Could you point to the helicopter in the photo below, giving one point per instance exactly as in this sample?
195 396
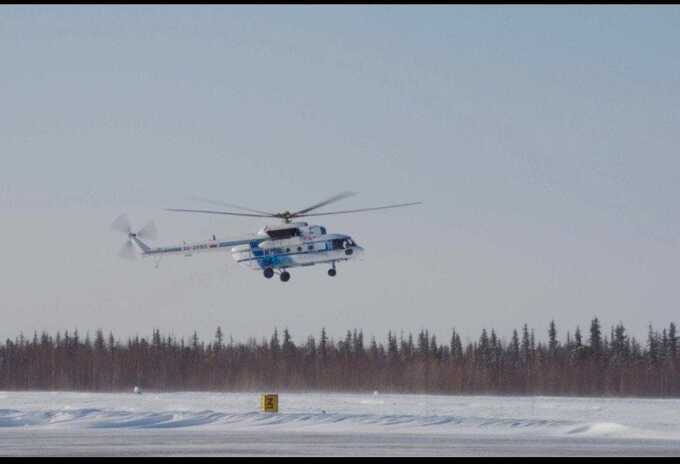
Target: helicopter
274 249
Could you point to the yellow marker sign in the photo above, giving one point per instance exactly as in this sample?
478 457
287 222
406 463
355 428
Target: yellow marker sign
269 402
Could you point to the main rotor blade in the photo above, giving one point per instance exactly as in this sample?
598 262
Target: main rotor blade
216 212
328 201
122 224
229 205
361 210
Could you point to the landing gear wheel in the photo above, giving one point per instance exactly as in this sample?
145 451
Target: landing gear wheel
349 251
269 273
331 272
285 276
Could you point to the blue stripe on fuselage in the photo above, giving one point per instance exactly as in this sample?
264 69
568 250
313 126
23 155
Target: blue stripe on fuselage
273 261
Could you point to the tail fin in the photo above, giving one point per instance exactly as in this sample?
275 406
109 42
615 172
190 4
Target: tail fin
143 246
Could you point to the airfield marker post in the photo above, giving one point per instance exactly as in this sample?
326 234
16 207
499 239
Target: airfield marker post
269 402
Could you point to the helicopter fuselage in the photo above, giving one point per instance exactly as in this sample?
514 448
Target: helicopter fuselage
294 245
273 248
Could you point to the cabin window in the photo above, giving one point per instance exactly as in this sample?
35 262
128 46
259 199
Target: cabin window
283 233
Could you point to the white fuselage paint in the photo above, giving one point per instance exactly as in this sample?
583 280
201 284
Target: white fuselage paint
283 255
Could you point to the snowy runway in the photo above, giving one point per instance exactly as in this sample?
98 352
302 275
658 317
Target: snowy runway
70 423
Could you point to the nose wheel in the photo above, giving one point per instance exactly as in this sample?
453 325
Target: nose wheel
331 271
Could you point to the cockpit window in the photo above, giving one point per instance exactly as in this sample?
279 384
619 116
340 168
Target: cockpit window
340 243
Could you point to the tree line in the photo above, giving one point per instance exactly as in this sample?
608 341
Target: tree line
594 363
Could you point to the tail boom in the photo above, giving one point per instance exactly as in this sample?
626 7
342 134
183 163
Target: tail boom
190 248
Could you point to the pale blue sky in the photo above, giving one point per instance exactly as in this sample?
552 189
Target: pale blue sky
543 141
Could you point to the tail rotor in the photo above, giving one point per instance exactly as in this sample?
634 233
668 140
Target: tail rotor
122 224
127 251
148 232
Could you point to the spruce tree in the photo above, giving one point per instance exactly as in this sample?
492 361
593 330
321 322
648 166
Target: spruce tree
595 336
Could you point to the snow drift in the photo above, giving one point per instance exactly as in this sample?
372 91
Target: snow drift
342 413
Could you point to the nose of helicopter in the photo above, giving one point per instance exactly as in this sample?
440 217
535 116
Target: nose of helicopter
354 251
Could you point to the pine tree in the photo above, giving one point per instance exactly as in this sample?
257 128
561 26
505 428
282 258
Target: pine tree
577 338
595 336
673 342
653 346
219 339
323 346
552 339
392 349
274 344
620 342
484 348
288 346
433 345
526 345
514 349
455 345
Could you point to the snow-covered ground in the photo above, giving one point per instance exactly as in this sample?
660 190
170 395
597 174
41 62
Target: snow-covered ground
71 423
